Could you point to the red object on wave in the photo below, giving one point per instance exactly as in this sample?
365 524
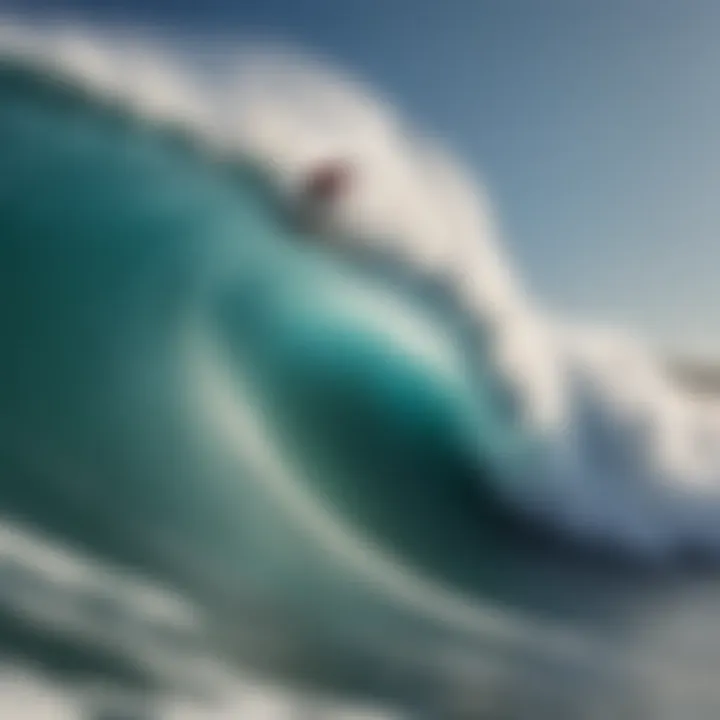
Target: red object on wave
327 182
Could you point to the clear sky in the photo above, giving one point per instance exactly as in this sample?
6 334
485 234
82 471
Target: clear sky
596 124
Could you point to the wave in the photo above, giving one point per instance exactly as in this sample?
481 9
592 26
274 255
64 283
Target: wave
278 412
601 444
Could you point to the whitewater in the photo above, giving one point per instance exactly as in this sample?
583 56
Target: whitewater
607 448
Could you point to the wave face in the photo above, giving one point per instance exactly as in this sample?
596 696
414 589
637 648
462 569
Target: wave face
281 410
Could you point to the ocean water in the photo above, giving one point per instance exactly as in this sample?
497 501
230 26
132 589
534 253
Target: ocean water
245 475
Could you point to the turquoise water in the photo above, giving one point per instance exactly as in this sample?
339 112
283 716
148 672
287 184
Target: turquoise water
153 298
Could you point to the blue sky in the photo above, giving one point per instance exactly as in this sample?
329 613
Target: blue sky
596 124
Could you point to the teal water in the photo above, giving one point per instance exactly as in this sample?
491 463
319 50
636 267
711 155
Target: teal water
149 292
